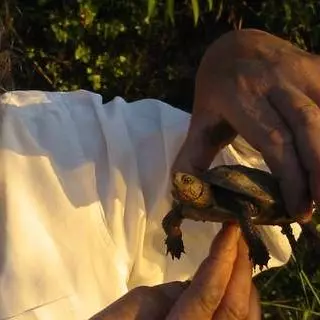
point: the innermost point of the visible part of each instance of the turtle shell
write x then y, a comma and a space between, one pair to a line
258, 185
236, 194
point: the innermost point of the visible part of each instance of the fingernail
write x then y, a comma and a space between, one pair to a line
225, 225
305, 217
186, 284
302, 211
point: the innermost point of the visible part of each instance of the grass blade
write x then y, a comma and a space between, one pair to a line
195, 9
284, 306
306, 279
170, 10
151, 7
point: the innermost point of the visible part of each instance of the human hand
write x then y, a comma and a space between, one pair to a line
268, 91
222, 288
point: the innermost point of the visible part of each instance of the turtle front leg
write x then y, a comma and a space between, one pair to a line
258, 251
171, 224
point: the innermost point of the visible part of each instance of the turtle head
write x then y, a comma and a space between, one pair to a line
191, 190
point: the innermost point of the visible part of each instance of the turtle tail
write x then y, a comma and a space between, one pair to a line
171, 224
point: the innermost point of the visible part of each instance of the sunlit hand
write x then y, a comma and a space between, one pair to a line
222, 288
267, 90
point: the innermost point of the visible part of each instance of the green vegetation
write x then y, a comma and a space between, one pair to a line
142, 48
151, 48
292, 292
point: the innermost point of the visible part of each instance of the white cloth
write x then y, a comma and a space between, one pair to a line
84, 187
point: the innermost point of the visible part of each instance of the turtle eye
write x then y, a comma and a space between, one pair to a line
186, 179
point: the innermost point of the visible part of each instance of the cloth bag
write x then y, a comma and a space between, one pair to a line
84, 187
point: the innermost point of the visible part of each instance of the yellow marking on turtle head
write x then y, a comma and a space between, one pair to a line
191, 190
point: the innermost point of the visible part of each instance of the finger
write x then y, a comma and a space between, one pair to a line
207, 135
208, 286
264, 128
208, 131
254, 304
303, 115
236, 301
144, 303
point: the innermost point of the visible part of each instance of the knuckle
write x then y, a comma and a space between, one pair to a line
304, 217
244, 80
279, 137
309, 115
236, 311
240, 80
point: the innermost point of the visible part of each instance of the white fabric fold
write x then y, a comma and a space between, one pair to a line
84, 187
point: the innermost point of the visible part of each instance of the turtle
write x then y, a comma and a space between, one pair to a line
228, 193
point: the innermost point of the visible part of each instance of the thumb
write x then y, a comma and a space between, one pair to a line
209, 284
206, 136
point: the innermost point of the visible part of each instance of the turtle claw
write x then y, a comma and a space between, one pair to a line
258, 252
175, 246
259, 256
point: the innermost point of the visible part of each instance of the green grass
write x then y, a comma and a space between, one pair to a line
292, 292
